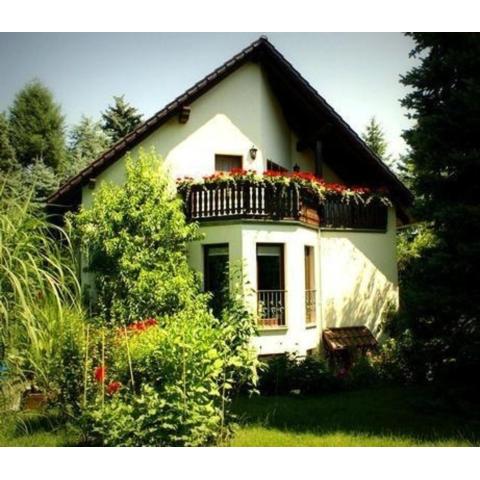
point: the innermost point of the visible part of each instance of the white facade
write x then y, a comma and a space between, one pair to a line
355, 272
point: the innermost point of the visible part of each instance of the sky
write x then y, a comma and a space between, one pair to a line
358, 73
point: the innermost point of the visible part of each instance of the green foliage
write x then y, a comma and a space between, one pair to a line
135, 239
41, 319
412, 241
40, 179
87, 141
375, 138
441, 289
309, 375
120, 119
8, 160
178, 368
37, 127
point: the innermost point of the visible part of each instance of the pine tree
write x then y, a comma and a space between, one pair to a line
8, 161
39, 178
441, 290
37, 127
120, 119
374, 137
87, 141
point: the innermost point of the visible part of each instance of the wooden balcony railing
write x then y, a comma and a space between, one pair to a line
248, 200
310, 307
336, 214
254, 201
271, 308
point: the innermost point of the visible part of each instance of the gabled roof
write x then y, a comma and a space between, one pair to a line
305, 109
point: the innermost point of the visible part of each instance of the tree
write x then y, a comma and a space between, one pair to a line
87, 142
441, 288
40, 179
374, 137
37, 127
8, 160
120, 119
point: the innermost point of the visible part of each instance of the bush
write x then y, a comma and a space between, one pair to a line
162, 368
286, 373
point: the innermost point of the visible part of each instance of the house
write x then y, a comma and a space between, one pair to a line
313, 266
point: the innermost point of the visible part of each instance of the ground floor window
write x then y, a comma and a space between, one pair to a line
270, 285
216, 274
310, 292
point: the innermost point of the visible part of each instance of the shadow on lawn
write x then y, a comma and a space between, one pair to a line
401, 412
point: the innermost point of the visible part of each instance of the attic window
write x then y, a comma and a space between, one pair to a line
226, 163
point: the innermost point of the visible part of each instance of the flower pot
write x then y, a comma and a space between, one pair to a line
34, 401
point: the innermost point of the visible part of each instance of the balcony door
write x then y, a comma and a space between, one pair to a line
270, 285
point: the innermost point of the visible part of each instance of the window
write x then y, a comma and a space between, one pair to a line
310, 292
270, 285
225, 163
216, 274
275, 167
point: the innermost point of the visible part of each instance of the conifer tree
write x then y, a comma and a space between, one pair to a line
87, 141
8, 161
37, 127
441, 288
120, 119
374, 137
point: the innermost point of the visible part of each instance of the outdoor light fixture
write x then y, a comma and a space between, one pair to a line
253, 152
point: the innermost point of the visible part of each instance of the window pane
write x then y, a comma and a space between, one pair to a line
216, 274
269, 267
309, 269
225, 163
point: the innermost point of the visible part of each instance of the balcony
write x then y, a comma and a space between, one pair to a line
248, 200
271, 308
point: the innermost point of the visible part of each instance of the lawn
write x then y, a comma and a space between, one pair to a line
374, 417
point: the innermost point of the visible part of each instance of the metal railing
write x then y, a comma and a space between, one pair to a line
271, 308
310, 307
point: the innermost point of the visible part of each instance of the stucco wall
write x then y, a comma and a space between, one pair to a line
358, 276
238, 113
242, 238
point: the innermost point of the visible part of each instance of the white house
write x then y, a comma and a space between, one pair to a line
328, 266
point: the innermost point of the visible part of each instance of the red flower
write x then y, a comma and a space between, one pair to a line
142, 325
113, 387
100, 374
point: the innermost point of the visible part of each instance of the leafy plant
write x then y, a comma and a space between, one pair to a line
41, 317
161, 368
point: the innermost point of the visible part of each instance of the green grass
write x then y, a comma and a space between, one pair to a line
34, 430
387, 417
375, 417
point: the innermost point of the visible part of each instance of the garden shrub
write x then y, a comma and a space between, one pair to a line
41, 316
286, 373
161, 369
